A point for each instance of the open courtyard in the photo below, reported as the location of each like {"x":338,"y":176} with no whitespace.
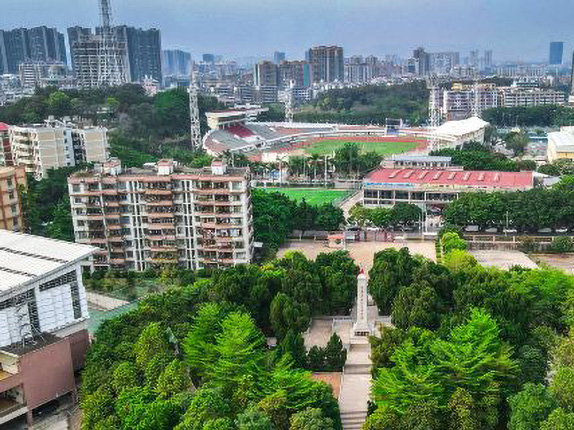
{"x":362,"y":252}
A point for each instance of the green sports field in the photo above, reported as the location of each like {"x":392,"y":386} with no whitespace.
{"x":326,"y":147}
{"x":313,"y":196}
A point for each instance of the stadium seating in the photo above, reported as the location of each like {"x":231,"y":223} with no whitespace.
{"x":240,"y":131}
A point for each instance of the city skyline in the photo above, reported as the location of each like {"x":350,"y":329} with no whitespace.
{"x":395,"y":27}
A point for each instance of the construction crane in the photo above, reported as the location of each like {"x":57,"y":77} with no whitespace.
{"x":435,"y":115}
{"x":110,"y":57}
{"x":289,"y":110}
{"x":195,"y":127}
{"x":476,"y":111}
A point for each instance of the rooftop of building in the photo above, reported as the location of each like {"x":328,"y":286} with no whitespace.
{"x":153,"y":169}
{"x":563,"y":140}
{"x":31,"y":344}
{"x":4,"y":126}
{"x":462,"y":127}
{"x":25,"y":258}
{"x":479,"y":179}
{"x":421,"y":158}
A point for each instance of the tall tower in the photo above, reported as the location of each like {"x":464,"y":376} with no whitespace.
{"x":110,"y":56}
{"x":435,"y":116}
{"x":289,"y":103}
{"x":194,"y":112}
{"x":476,"y":112}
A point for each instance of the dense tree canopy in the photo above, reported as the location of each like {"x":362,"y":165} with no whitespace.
{"x":474,"y":156}
{"x":526,"y":211}
{"x":468,"y":339}
{"x":370,"y":104}
{"x":143,"y":366}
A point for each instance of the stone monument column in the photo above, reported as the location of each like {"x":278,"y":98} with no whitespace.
{"x":361,"y":326}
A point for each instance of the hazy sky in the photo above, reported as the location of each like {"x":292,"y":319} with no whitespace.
{"x":514,"y":29}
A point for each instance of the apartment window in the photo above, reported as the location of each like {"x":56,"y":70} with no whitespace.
{"x":77,"y":200}
{"x":81,"y":223}
{"x":76,"y":188}
{"x":9,"y":182}
{"x":14,"y":209}
{"x":11,"y":195}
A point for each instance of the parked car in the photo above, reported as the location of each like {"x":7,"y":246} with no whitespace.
{"x":491,"y":230}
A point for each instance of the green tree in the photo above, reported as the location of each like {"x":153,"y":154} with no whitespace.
{"x":311,"y":419}
{"x":151,"y":342}
{"x":239,"y":348}
{"x":294,"y":345}
{"x":559,"y":419}
{"x":562,"y":387}
{"x":335,"y":354}
{"x":253,"y":419}
{"x":173,"y":380}
{"x":530,"y":407}
{"x":199,"y":345}
{"x":316,"y":359}
{"x":461,"y":409}
{"x":416,"y":305}
{"x":451,"y":241}
{"x":124,"y":376}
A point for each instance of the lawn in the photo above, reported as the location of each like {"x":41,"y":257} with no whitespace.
{"x":325,"y":147}
{"x":313,"y":196}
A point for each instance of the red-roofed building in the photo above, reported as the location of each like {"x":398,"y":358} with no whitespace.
{"x":5,"y":149}
{"x":386,"y":187}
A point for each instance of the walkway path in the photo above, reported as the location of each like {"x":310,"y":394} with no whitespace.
{"x":356,"y":385}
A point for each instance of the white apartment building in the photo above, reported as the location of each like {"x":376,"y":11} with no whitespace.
{"x":56,"y":144}
{"x":521,"y":97}
{"x":163,"y":214}
{"x":458,"y":102}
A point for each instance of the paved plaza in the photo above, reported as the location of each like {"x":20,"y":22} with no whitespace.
{"x":503,"y":259}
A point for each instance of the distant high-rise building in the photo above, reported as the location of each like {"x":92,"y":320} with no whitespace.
{"x":35,"y":44}
{"x":474,"y":58}
{"x":423,"y":59}
{"x":488,"y":58}
{"x":266,"y":74}
{"x":143,"y":52}
{"x":138,"y":51}
{"x":86,"y":53}
{"x":278,"y":57}
{"x":327,"y":63}
{"x":443,"y":62}
{"x":176,"y":63}
{"x":297,"y":71}
{"x":556,"y":52}
{"x":47,"y":44}
{"x":75,"y":34}
{"x":208,"y":58}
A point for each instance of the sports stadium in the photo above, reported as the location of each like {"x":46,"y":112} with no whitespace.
{"x":235,"y":130}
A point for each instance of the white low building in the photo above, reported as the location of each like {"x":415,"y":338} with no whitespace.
{"x":561,"y":145}
{"x":41,"y":289}
{"x":456,"y":133}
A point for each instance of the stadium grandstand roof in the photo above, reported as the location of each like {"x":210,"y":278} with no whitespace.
{"x":478,"y":179}
{"x":462,"y":127}
{"x":563,"y":140}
